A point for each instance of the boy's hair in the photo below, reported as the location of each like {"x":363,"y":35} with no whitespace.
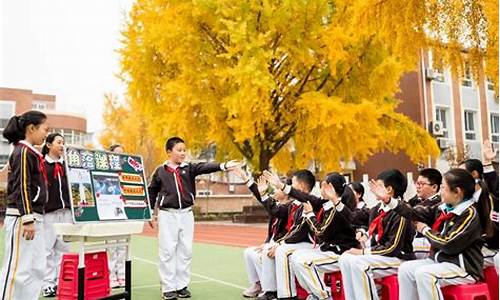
{"x":171,"y":142}
{"x":114,"y":146}
{"x":49,"y":140}
{"x":15,"y":130}
{"x":433,"y":175}
{"x":306,"y":177}
{"x":472,"y":165}
{"x":395,"y":179}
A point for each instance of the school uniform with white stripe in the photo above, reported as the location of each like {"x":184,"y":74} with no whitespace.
{"x":275,"y":231}
{"x":390,"y":245}
{"x":57,"y":210}
{"x":421,"y":245}
{"x":334,"y":235}
{"x":172,"y":189}
{"x":23,"y":265}
{"x":455,"y":256}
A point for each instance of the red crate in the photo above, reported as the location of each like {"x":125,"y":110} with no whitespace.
{"x":96,"y":276}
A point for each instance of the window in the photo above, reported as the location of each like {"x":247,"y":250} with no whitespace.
{"x":7,"y":110}
{"x":491,"y":86}
{"x":469,"y":119}
{"x":442,"y":115}
{"x":39,"y":105}
{"x":467,"y":80}
{"x":494,"y":127}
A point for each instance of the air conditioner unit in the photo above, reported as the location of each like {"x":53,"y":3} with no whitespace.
{"x":431,"y":74}
{"x":443,"y":143}
{"x":437,"y":128}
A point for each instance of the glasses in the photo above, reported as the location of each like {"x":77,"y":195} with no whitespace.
{"x":421,"y":183}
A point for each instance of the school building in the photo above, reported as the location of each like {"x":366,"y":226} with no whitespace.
{"x":16,"y":101}
{"x":459,"y":113}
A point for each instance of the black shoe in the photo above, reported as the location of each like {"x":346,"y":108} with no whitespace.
{"x":184,"y":293}
{"x":49,"y":292}
{"x":169,"y":296}
{"x":268,"y":296}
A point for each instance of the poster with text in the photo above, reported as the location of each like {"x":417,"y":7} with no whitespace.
{"x":106,"y":186}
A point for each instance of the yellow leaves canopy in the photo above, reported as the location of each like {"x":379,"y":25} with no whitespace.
{"x":290,"y":80}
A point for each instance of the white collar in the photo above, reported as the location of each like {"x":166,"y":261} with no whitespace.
{"x":361,"y":204}
{"x":50,"y":160}
{"x":297,"y":202}
{"x":384,"y":207}
{"x":476,"y":195}
{"x":27,"y":144}
{"x":170,"y":164}
{"x":328,"y":205}
{"x":460,"y":208}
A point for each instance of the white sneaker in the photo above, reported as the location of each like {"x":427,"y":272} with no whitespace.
{"x":253,"y":291}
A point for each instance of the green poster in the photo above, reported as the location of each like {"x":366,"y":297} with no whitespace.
{"x":106,"y":186}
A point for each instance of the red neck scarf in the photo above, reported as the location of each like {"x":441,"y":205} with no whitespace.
{"x":177,"y":176}
{"x":291,"y":217}
{"x":443,"y":218}
{"x":58,"y":170}
{"x":377,"y":226}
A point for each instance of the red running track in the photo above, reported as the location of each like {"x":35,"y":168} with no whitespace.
{"x":239,"y":235}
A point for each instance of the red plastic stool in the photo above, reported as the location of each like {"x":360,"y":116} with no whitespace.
{"x":491,"y":278}
{"x":301,"y":292}
{"x":390,"y":287}
{"x":336,"y":286}
{"x":96,"y":276}
{"x":466,"y":292}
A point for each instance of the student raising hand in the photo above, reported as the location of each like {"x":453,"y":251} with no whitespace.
{"x":488,"y":152}
{"x":307,"y":207}
{"x":232,"y":164}
{"x":328,"y":192}
{"x":379,"y":190}
{"x":273,"y":179}
{"x":262,"y":185}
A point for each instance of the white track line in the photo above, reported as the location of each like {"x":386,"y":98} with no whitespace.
{"x":195,"y":274}
{"x":158,"y":285}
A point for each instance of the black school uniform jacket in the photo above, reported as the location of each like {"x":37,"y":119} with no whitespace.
{"x":483,"y":198}
{"x":26,"y":187}
{"x":177,"y":189}
{"x":491,"y":180}
{"x":334,"y":231}
{"x":300,"y":231}
{"x":459,"y":239}
{"x":397,"y":238}
{"x":278,"y":213}
{"x":57,"y":185}
{"x":432,"y":201}
{"x":436,"y":199}
{"x":360,"y":217}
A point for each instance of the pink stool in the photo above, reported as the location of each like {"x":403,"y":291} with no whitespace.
{"x":466,"y":292}
{"x":301,"y":292}
{"x":491,"y":278}
{"x":390,"y":287}
{"x":337,"y":294}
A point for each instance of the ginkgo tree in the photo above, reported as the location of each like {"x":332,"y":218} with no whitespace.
{"x":285,"y":82}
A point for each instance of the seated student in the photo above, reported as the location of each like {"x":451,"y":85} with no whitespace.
{"x":484,"y":204}
{"x":452,"y":229}
{"x":277,"y":277}
{"x":491,"y":180}
{"x":276,"y":229}
{"x":361,"y":212}
{"x":333,"y":232}
{"x":428,"y":184}
{"x":391,"y":239}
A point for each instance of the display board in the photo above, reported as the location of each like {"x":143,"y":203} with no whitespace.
{"x":106,"y":186}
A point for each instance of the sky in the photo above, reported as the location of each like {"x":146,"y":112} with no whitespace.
{"x":65,"y":48}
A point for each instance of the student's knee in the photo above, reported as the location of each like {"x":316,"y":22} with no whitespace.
{"x":297,"y":260}
{"x":424,"y":275}
{"x":407,"y":270}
